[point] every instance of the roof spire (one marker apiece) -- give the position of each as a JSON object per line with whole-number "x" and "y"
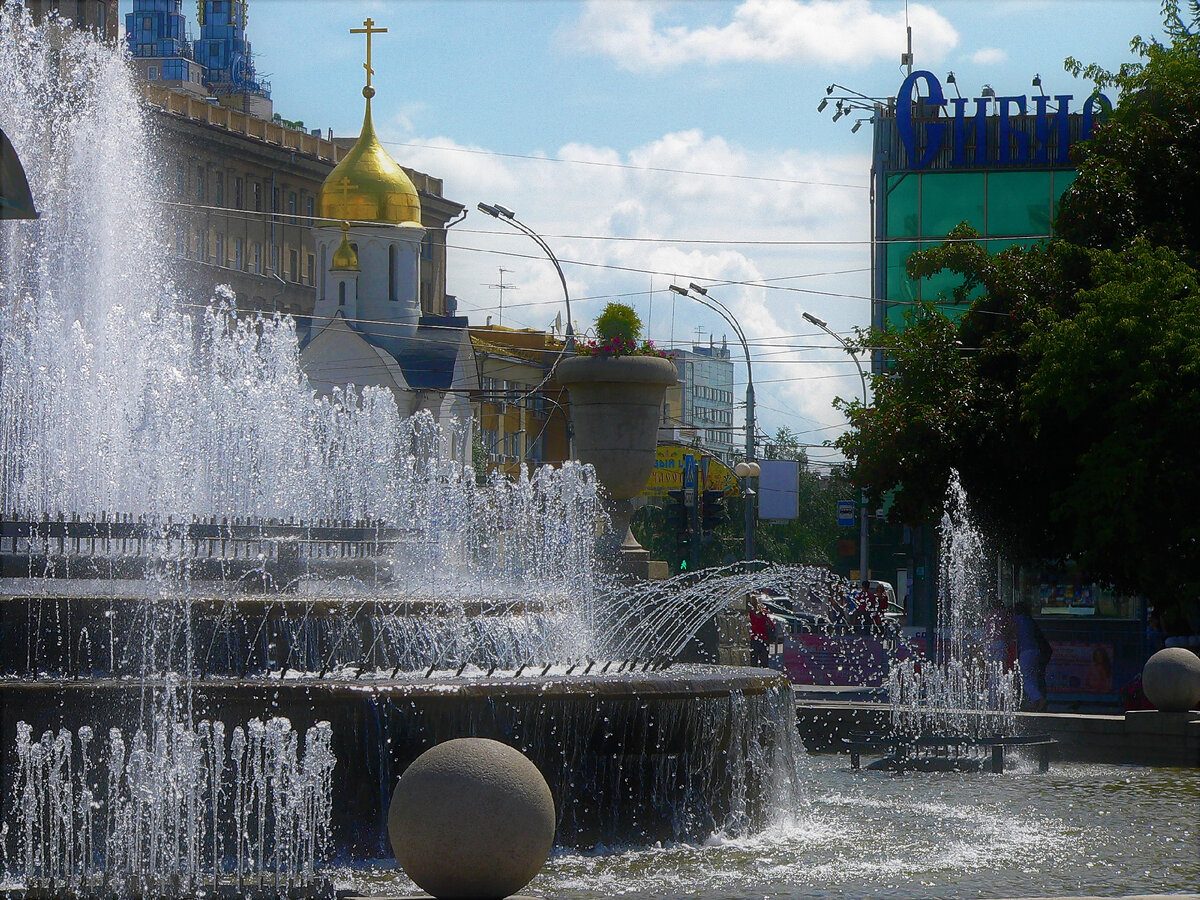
{"x": 368, "y": 29}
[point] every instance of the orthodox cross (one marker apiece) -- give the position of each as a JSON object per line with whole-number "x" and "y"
{"x": 344, "y": 187}
{"x": 368, "y": 29}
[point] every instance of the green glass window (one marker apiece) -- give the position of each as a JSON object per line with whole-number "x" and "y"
{"x": 1018, "y": 203}
{"x": 902, "y": 205}
{"x": 949, "y": 198}
{"x": 899, "y": 286}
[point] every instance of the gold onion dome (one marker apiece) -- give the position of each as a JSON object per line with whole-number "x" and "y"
{"x": 344, "y": 257}
{"x": 368, "y": 185}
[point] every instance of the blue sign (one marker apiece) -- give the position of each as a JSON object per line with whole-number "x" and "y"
{"x": 1014, "y": 146}
{"x": 689, "y": 471}
{"x": 845, "y": 513}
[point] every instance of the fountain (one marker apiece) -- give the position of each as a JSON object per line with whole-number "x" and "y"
{"x": 232, "y": 612}
{"x": 962, "y": 697}
{"x": 280, "y": 577}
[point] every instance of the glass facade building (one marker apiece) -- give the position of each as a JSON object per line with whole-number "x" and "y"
{"x": 1002, "y": 175}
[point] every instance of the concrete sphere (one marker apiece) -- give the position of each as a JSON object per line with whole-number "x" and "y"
{"x": 471, "y": 818}
{"x": 1171, "y": 679}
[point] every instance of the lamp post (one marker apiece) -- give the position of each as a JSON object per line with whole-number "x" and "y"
{"x": 504, "y": 214}
{"x": 701, "y": 296}
{"x": 864, "y": 562}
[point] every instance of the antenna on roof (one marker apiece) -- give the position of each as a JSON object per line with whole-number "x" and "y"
{"x": 906, "y": 58}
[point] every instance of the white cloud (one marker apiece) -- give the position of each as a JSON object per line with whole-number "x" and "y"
{"x": 712, "y": 230}
{"x": 988, "y": 56}
{"x": 645, "y": 36}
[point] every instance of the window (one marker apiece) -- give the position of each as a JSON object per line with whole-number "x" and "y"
{"x": 294, "y": 265}
{"x": 392, "y": 273}
{"x": 151, "y": 73}
{"x": 220, "y": 249}
{"x": 219, "y": 189}
{"x": 200, "y": 193}
{"x": 341, "y": 293}
{"x": 292, "y": 205}
{"x": 324, "y": 269}
{"x": 312, "y": 264}
{"x": 274, "y": 199}
{"x": 257, "y": 258}
{"x": 179, "y": 179}
{"x": 256, "y": 190}
{"x": 180, "y": 241}
{"x": 237, "y": 253}
{"x": 311, "y": 207}
{"x": 238, "y": 198}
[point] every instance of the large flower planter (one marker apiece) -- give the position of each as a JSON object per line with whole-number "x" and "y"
{"x": 616, "y": 408}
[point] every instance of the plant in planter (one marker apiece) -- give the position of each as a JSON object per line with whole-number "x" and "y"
{"x": 616, "y": 384}
{"x": 618, "y": 333}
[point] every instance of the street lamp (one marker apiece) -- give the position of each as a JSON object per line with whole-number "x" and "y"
{"x": 504, "y": 214}
{"x": 864, "y": 566}
{"x": 701, "y": 296}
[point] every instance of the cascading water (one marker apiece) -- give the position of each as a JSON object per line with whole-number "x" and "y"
{"x": 424, "y": 605}
{"x": 964, "y": 689}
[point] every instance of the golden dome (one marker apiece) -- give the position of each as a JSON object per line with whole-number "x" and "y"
{"x": 368, "y": 185}
{"x": 344, "y": 257}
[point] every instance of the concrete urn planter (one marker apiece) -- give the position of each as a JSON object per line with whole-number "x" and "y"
{"x": 616, "y": 408}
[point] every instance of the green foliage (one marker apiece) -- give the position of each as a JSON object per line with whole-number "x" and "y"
{"x": 618, "y": 320}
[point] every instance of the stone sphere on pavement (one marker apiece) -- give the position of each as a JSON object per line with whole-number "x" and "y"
{"x": 471, "y": 817}
{"x": 1171, "y": 679}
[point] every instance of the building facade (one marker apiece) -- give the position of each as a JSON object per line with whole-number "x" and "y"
{"x": 98, "y": 15}
{"x": 521, "y": 410}
{"x": 699, "y": 409}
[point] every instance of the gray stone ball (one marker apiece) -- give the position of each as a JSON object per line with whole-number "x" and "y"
{"x": 471, "y": 818}
{"x": 1171, "y": 679}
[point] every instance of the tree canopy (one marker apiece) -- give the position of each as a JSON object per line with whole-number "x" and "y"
{"x": 1067, "y": 394}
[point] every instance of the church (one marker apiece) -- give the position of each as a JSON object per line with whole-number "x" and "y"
{"x": 367, "y": 327}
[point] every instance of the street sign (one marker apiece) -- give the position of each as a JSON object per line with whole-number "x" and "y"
{"x": 689, "y": 471}
{"x": 845, "y": 513}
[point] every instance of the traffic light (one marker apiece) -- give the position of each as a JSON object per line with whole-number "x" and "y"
{"x": 713, "y": 511}
{"x": 677, "y": 515}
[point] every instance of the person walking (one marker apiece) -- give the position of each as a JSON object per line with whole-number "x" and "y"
{"x": 1033, "y": 655}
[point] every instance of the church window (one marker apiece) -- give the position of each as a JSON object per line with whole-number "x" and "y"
{"x": 392, "y": 273}
{"x": 341, "y": 293}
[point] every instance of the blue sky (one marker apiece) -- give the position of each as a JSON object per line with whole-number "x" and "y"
{"x": 652, "y": 142}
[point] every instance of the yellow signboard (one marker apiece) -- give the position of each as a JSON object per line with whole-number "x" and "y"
{"x": 668, "y": 471}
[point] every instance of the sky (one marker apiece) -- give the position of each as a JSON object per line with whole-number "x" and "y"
{"x": 652, "y": 143}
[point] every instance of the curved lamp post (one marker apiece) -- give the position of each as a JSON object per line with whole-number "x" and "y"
{"x": 504, "y": 214}
{"x": 864, "y": 568}
{"x": 701, "y": 296}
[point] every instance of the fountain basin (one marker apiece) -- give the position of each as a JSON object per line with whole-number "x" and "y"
{"x": 631, "y": 758}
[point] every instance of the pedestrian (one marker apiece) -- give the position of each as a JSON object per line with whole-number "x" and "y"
{"x": 1033, "y": 655}
{"x": 761, "y": 631}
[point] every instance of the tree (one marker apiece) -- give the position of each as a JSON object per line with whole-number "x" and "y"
{"x": 1065, "y": 396}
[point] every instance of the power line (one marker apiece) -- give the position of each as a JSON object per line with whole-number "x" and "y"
{"x": 626, "y": 166}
